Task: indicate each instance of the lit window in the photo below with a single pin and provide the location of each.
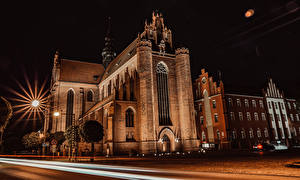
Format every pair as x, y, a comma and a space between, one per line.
289, 105
261, 104
297, 117
203, 136
233, 135
256, 116
243, 134
248, 116
254, 103
278, 117
238, 102
266, 132
282, 106
240, 116
214, 104
294, 131
201, 119
294, 105
263, 116
216, 118
258, 133
292, 117
218, 135
232, 116
230, 101
271, 117
251, 133
246, 103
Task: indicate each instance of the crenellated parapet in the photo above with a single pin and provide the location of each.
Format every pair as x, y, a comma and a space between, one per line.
144, 43
182, 50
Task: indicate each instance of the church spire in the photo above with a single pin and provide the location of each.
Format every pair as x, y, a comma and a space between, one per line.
108, 53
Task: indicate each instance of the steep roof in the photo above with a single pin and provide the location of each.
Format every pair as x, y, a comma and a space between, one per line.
122, 58
79, 71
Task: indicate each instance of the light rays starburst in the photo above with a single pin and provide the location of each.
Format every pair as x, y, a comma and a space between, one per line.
31, 101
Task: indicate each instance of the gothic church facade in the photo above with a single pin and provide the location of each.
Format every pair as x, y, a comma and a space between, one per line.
143, 97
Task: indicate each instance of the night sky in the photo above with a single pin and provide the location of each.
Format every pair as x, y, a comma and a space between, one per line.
216, 32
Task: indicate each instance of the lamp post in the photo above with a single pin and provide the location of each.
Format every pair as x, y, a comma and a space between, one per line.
35, 103
72, 148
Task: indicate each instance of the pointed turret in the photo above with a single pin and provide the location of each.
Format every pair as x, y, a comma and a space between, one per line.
158, 34
108, 53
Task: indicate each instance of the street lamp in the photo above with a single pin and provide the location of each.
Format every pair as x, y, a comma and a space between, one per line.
35, 103
56, 114
74, 144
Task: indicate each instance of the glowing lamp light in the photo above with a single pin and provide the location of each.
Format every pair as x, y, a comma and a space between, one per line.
56, 113
35, 103
249, 13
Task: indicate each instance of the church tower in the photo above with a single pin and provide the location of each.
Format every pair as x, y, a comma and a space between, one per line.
108, 53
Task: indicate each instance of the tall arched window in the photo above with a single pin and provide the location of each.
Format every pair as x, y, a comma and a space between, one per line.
89, 96
69, 111
163, 94
129, 118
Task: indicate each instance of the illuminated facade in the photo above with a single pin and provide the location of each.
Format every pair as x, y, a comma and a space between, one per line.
240, 121
143, 97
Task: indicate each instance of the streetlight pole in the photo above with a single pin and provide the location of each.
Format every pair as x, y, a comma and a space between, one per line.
36, 104
73, 145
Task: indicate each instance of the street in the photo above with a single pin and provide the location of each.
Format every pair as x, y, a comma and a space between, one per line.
13, 168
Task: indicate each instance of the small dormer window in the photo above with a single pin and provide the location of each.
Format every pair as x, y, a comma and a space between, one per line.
95, 77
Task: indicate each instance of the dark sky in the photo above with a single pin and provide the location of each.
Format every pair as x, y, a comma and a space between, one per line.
216, 32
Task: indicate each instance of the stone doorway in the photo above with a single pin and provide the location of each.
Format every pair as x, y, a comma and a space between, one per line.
166, 146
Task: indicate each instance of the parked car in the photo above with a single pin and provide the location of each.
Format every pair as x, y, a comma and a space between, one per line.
279, 146
264, 147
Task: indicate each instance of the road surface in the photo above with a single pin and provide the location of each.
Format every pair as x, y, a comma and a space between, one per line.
11, 168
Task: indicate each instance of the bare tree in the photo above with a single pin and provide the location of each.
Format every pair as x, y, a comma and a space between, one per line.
5, 114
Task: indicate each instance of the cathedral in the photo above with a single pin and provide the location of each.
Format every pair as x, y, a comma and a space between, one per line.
143, 97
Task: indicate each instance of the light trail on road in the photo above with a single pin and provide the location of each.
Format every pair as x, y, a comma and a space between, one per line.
77, 169
89, 166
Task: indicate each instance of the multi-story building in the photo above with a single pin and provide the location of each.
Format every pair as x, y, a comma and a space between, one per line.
294, 119
247, 120
210, 117
279, 121
244, 120
143, 97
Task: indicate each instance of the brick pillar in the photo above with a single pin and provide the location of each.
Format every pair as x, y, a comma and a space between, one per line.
110, 129
185, 100
145, 97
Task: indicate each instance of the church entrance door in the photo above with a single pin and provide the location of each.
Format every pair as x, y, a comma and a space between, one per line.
166, 144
